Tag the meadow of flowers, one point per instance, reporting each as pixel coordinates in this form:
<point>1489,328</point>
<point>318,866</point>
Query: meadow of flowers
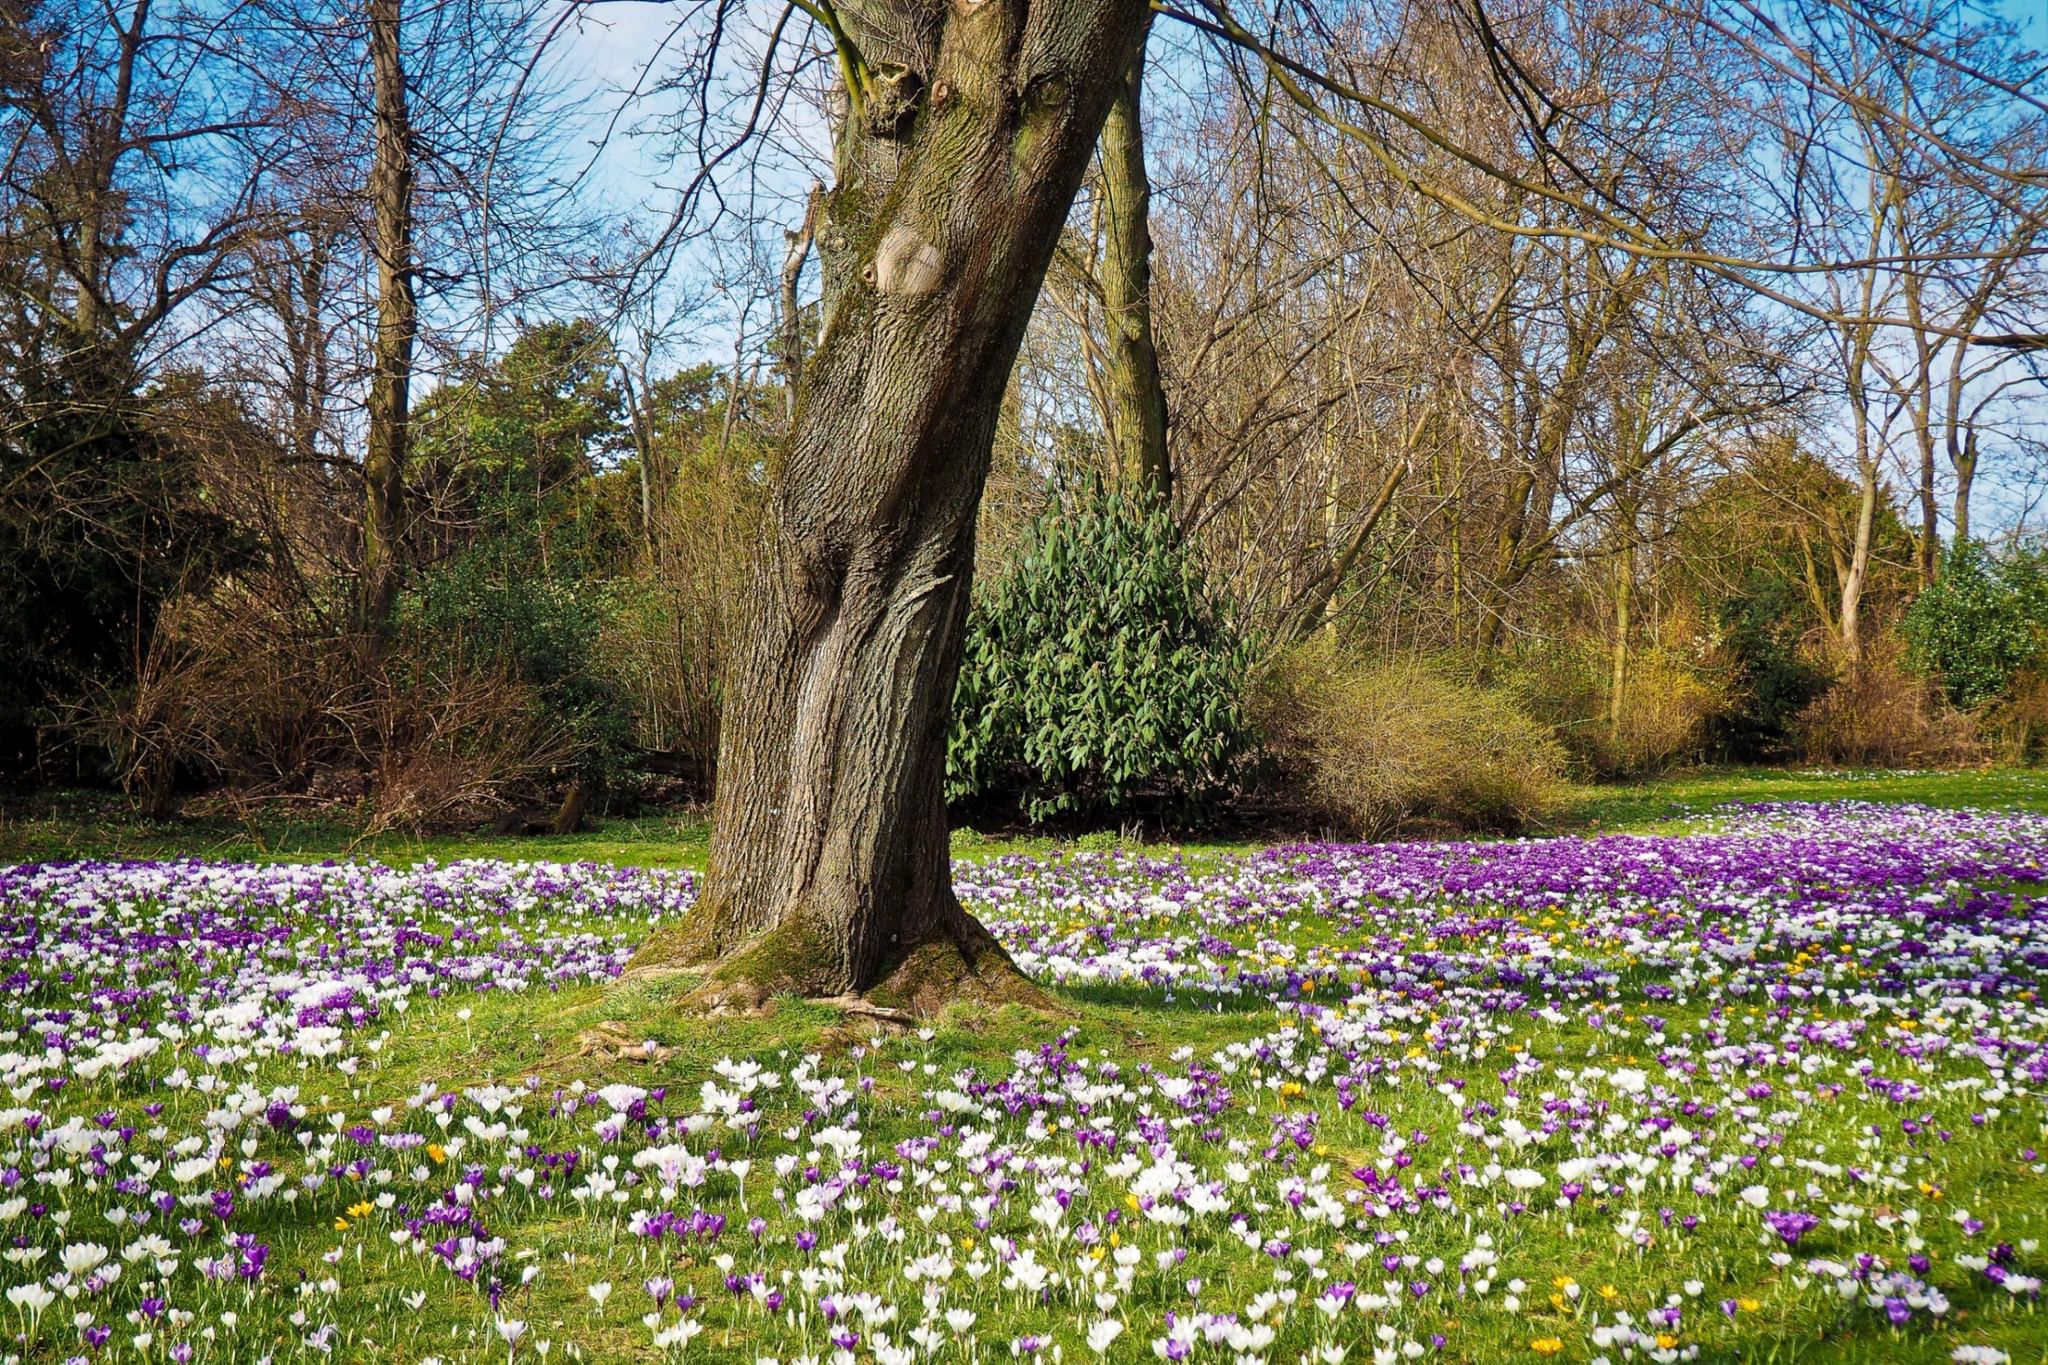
<point>1768,1090</point>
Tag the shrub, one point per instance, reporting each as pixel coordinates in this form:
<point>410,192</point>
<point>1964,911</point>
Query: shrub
<point>670,634</point>
<point>452,745</point>
<point>1367,747</point>
<point>1878,715</point>
<point>478,615</point>
<point>2014,727</point>
<point>1667,709</point>
<point>239,690</point>
<point>1980,623</point>
<point>1665,714</point>
<point>1771,682</point>
<point>1100,678</point>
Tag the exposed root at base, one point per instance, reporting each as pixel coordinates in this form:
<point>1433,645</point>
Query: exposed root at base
<point>966,966</point>
<point>960,965</point>
<point>867,1009</point>
<point>643,972</point>
<point>612,1041</point>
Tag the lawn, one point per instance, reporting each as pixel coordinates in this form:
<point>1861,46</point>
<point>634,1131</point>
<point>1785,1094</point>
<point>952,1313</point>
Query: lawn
<point>60,825</point>
<point>1765,1083</point>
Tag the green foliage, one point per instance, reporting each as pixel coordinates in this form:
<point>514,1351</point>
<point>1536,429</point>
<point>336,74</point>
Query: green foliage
<point>105,516</point>
<point>1982,622</point>
<point>482,612</point>
<point>1100,677</point>
<point>1772,683</point>
<point>514,448</point>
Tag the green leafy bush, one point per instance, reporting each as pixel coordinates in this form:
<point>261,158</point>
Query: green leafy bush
<point>1366,747</point>
<point>1100,679</point>
<point>1981,623</point>
<point>1771,682</point>
<point>478,613</point>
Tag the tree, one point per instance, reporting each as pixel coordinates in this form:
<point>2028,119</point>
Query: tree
<point>964,139</point>
<point>1981,622</point>
<point>384,454</point>
<point>1138,413</point>
<point>134,150</point>
<point>962,136</point>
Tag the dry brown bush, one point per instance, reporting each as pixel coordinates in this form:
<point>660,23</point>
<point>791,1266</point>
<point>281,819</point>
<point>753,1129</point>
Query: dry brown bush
<point>1878,715</point>
<point>1665,714</point>
<point>2014,728</point>
<point>1366,747</point>
<point>454,747</point>
<point>678,619</point>
<point>269,705</point>
<point>1667,706</point>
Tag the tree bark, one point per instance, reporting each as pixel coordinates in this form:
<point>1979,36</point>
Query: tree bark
<point>968,131</point>
<point>1624,590</point>
<point>1138,400</point>
<point>1963,456</point>
<point>1857,569</point>
<point>391,175</point>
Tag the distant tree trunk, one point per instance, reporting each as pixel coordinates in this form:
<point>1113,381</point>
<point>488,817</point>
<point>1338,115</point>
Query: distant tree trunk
<point>1963,455</point>
<point>796,250</point>
<point>1138,401</point>
<point>1855,570</point>
<point>397,319</point>
<point>1314,610</point>
<point>969,128</point>
<point>640,425</point>
<point>1624,589</point>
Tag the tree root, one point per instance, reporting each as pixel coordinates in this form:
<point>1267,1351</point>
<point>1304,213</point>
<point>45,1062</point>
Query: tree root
<point>960,964</point>
<point>612,1041</point>
<point>867,1009</point>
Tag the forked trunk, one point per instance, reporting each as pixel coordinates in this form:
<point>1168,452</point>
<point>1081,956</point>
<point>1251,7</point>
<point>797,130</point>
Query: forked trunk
<point>970,124</point>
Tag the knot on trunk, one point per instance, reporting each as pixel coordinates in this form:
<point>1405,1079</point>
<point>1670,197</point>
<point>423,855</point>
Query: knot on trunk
<point>891,107</point>
<point>907,264</point>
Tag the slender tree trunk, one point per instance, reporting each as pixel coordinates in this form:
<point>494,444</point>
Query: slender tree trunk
<point>970,127</point>
<point>1927,552</point>
<point>397,320</point>
<point>640,424</point>
<point>1963,456</point>
<point>1138,412</point>
<point>1857,571</point>
<point>1617,690</point>
<point>1315,610</point>
<point>796,250</point>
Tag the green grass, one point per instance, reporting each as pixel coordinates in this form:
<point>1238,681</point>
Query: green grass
<point>51,826</point>
<point>1662,803</point>
<point>503,1037</point>
<point>60,825</point>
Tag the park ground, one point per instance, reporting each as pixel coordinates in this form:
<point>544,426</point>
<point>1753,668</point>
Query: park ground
<point>61,824</point>
<point>1737,1065</point>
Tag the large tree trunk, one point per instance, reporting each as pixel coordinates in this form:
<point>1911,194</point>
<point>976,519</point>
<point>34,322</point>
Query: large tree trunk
<point>1138,415</point>
<point>970,125</point>
<point>397,319</point>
